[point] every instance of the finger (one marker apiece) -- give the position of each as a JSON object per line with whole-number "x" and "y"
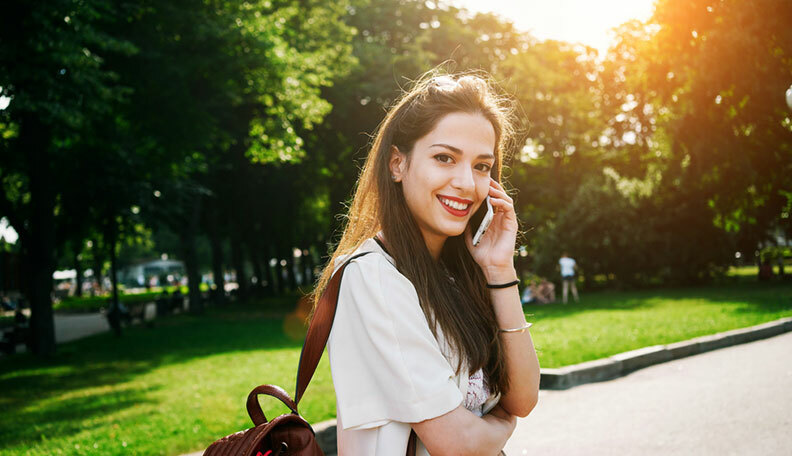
{"x": 496, "y": 184}
{"x": 499, "y": 186}
{"x": 493, "y": 191}
{"x": 502, "y": 205}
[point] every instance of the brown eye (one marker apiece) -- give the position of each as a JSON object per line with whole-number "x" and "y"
{"x": 443, "y": 158}
{"x": 484, "y": 167}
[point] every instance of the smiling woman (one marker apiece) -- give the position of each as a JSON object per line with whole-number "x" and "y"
{"x": 429, "y": 334}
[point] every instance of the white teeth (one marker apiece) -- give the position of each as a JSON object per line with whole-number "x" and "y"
{"x": 454, "y": 204}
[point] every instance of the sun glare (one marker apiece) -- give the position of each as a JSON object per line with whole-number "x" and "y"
{"x": 578, "y": 21}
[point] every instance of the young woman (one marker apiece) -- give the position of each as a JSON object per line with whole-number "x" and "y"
{"x": 429, "y": 333}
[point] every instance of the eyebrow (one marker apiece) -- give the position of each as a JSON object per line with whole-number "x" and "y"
{"x": 459, "y": 151}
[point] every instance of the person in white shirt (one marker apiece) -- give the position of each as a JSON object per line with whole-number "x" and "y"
{"x": 429, "y": 334}
{"x": 568, "y": 269}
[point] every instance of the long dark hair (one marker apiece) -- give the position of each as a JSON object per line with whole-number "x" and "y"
{"x": 463, "y": 308}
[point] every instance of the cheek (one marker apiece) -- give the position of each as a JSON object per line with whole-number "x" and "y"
{"x": 482, "y": 187}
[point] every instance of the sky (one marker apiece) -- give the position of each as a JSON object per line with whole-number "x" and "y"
{"x": 577, "y": 21}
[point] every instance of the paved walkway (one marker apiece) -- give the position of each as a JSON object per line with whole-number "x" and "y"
{"x": 73, "y": 327}
{"x": 732, "y": 401}
{"x": 69, "y": 327}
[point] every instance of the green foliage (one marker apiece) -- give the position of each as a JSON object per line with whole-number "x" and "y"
{"x": 719, "y": 70}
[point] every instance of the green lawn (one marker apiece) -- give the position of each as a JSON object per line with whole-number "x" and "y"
{"x": 96, "y": 303}
{"x": 176, "y": 387}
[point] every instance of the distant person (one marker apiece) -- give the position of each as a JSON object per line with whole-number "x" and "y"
{"x": 528, "y": 294}
{"x": 568, "y": 270}
{"x": 765, "y": 271}
{"x": 163, "y": 303}
{"x": 546, "y": 292}
{"x": 177, "y": 300}
{"x": 8, "y": 304}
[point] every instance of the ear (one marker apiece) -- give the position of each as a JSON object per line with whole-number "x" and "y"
{"x": 397, "y": 164}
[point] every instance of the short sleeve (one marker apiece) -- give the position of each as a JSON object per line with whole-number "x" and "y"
{"x": 385, "y": 362}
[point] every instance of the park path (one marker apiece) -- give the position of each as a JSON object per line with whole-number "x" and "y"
{"x": 70, "y": 327}
{"x": 731, "y": 401}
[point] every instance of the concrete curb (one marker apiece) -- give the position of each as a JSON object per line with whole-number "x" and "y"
{"x": 624, "y": 363}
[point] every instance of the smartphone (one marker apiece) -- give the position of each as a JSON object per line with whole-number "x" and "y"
{"x": 486, "y": 219}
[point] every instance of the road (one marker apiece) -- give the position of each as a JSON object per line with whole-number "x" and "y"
{"x": 732, "y": 401}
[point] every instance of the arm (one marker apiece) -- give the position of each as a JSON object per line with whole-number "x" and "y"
{"x": 522, "y": 364}
{"x": 495, "y": 256}
{"x": 460, "y": 432}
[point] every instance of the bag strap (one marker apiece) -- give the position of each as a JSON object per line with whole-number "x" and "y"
{"x": 319, "y": 330}
{"x": 254, "y": 409}
{"x": 316, "y": 340}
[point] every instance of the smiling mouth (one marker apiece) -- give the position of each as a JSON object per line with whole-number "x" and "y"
{"x": 455, "y": 207}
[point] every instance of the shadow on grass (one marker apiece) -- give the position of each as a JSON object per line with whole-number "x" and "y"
{"x": 62, "y": 417}
{"x": 54, "y": 397}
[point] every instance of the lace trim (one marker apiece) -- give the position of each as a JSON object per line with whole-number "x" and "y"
{"x": 477, "y": 392}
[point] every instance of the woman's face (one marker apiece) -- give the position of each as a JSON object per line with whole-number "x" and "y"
{"x": 447, "y": 176}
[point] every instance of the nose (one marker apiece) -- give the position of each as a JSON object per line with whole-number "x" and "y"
{"x": 463, "y": 181}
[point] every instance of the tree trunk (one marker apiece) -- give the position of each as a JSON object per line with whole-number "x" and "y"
{"x": 270, "y": 272}
{"x": 279, "y": 273}
{"x": 256, "y": 260}
{"x": 97, "y": 267}
{"x": 79, "y": 273}
{"x": 290, "y": 278}
{"x": 191, "y": 258}
{"x": 308, "y": 268}
{"x": 217, "y": 261}
{"x": 238, "y": 261}
{"x": 113, "y": 269}
{"x": 42, "y": 236}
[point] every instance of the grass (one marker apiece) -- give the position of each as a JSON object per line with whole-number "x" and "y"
{"x": 609, "y": 322}
{"x": 178, "y": 386}
{"x": 744, "y": 272}
{"x": 96, "y": 303}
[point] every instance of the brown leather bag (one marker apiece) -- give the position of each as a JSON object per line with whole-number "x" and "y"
{"x": 290, "y": 434}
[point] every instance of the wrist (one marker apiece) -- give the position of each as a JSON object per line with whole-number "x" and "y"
{"x": 499, "y": 274}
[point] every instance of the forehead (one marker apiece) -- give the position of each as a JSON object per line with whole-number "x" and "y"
{"x": 473, "y": 134}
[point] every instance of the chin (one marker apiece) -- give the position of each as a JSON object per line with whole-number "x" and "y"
{"x": 454, "y": 231}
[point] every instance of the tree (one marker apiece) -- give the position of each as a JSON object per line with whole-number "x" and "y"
{"x": 51, "y": 70}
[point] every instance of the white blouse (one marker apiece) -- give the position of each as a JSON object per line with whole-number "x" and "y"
{"x": 388, "y": 369}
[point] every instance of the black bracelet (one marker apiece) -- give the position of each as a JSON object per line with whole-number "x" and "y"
{"x": 503, "y": 285}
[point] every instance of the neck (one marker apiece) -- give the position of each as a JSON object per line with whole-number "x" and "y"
{"x": 434, "y": 243}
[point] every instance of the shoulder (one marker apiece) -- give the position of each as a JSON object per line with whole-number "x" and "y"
{"x": 369, "y": 260}
{"x": 372, "y": 289}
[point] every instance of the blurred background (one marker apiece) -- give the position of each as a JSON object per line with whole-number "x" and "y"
{"x": 197, "y": 155}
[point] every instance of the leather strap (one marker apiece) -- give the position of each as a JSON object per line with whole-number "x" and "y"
{"x": 319, "y": 330}
{"x": 254, "y": 408}
{"x": 316, "y": 340}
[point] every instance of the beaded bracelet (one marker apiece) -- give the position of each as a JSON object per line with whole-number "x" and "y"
{"x": 503, "y": 285}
